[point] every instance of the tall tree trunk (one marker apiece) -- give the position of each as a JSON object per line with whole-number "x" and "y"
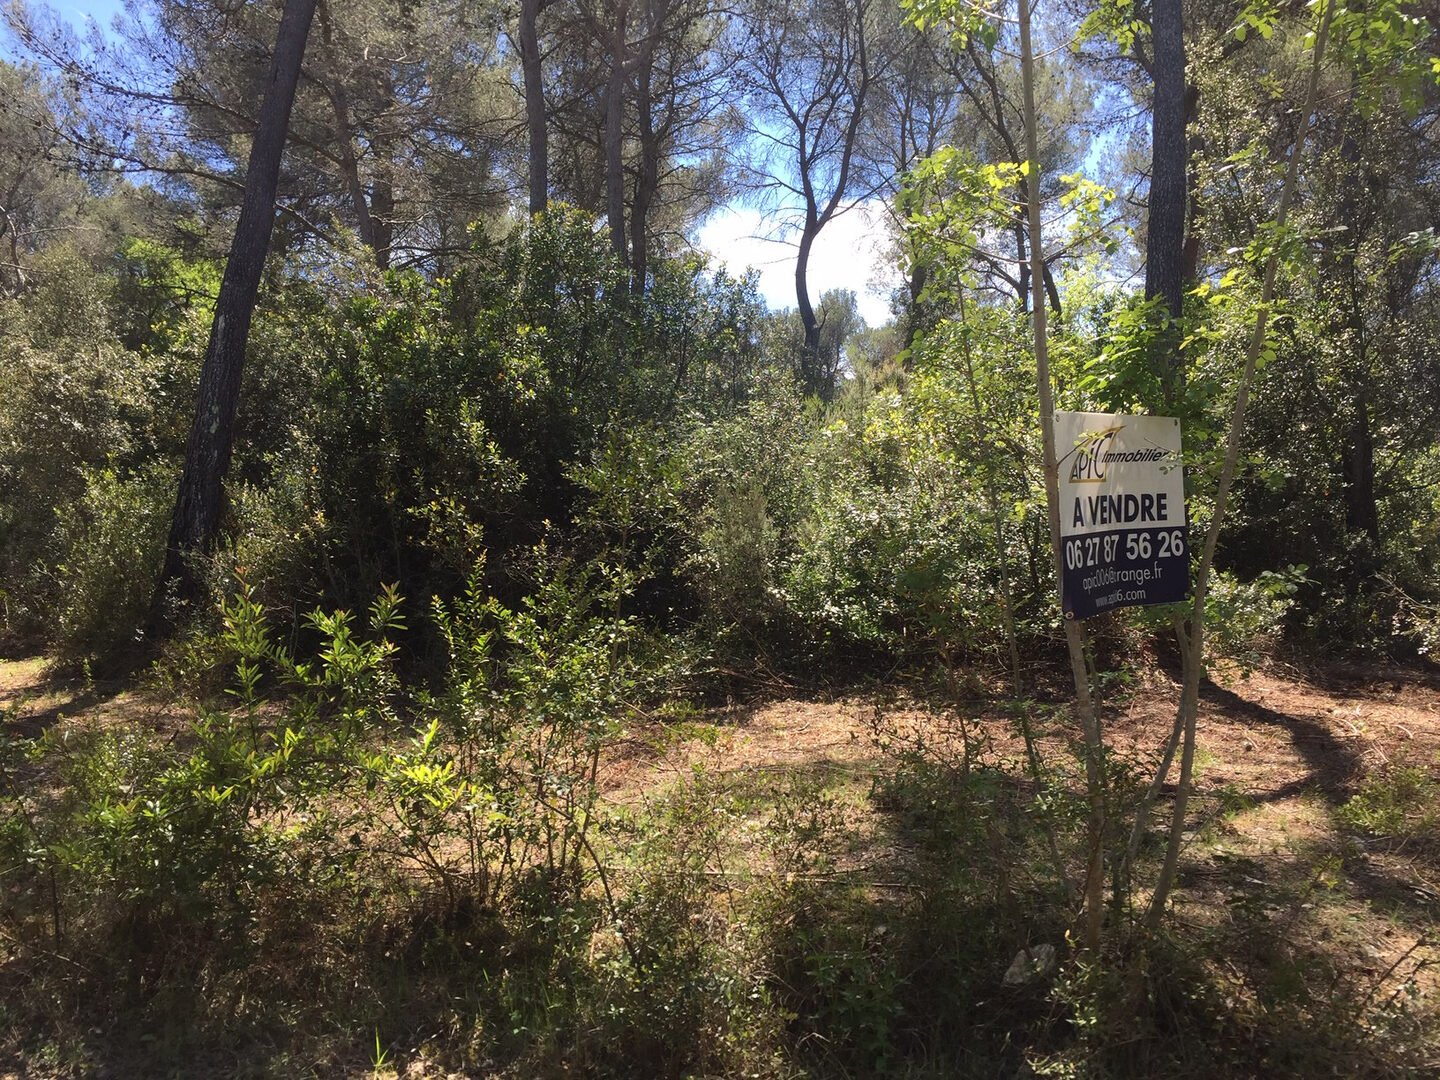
{"x": 1192, "y": 645}
{"x": 382, "y": 190}
{"x": 647, "y": 181}
{"x": 1362, "y": 513}
{"x": 645, "y": 186}
{"x": 196, "y": 519}
{"x": 382, "y": 203}
{"x": 349, "y": 160}
{"x": 1165, "y": 234}
{"x": 1053, "y": 293}
{"x": 1023, "y": 288}
{"x": 855, "y": 77}
{"x": 615, "y": 137}
{"x": 810, "y": 349}
{"x": 1194, "y": 151}
{"x": 350, "y": 169}
{"x": 534, "y": 102}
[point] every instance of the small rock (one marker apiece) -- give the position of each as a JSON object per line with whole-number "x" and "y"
{"x": 1030, "y": 965}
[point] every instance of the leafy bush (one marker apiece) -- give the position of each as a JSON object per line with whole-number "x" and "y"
{"x": 88, "y": 432}
{"x": 679, "y": 977}
{"x": 1247, "y": 617}
{"x": 919, "y": 519}
{"x": 1400, "y": 801}
{"x": 114, "y": 537}
{"x": 391, "y": 428}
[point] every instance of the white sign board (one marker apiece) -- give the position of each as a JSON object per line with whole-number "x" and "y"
{"x": 1123, "y": 535}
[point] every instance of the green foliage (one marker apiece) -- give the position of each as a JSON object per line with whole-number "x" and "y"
{"x": 1385, "y": 46}
{"x": 737, "y": 558}
{"x": 434, "y": 421}
{"x": 1417, "y": 622}
{"x": 482, "y": 793}
{"x": 743, "y": 482}
{"x": 954, "y": 204}
{"x": 918, "y": 500}
{"x": 113, "y": 537}
{"x": 569, "y": 466}
{"x": 1246, "y": 617}
{"x": 965, "y": 20}
{"x": 166, "y": 301}
{"x": 1116, "y": 20}
{"x": 84, "y": 429}
{"x": 391, "y": 428}
{"x": 42, "y": 191}
{"x": 1398, "y": 802}
{"x": 680, "y": 977}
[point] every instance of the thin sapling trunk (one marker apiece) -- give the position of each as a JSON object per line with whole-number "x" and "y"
{"x": 1074, "y": 639}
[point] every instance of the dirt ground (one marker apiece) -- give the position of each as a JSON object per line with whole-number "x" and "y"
{"x": 31, "y": 701}
{"x": 1278, "y": 751}
{"x": 1279, "y": 738}
{"x": 1273, "y": 735}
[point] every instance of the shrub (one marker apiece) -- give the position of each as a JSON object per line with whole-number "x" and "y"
{"x": 86, "y": 430}
{"x": 114, "y": 539}
{"x": 1399, "y": 802}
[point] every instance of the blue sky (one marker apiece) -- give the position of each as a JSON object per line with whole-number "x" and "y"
{"x": 848, "y": 254}
{"x": 77, "y": 13}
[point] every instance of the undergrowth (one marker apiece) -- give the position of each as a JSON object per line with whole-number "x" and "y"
{"x": 332, "y": 871}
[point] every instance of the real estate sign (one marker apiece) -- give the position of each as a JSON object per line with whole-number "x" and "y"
{"x": 1123, "y": 535}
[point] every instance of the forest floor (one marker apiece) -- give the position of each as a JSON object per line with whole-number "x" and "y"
{"x": 1289, "y": 884}
{"x": 1279, "y": 751}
